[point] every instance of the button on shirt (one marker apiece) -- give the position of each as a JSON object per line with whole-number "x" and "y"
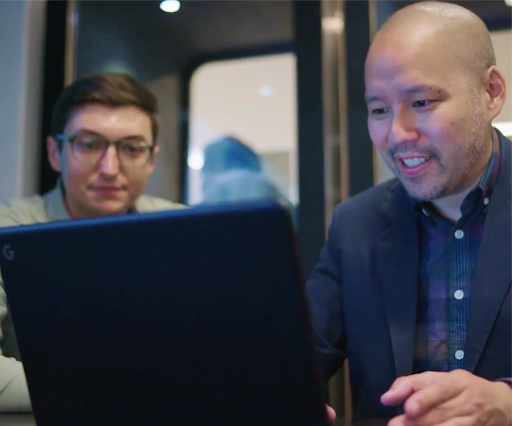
{"x": 448, "y": 255}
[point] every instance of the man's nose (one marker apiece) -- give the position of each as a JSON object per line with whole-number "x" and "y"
{"x": 403, "y": 128}
{"x": 109, "y": 163}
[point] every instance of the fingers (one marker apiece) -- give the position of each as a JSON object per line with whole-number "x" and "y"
{"x": 403, "y": 387}
{"x": 331, "y": 414}
{"x": 450, "y": 399}
{"x": 435, "y": 394}
{"x": 430, "y": 397}
{"x": 397, "y": 394}
{"x": 397, "y": 421}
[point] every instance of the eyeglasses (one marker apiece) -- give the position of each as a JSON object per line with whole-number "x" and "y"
{"x": 90, "y": 149}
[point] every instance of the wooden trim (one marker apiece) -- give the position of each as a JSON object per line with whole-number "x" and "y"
{"x": 70, "y": 49}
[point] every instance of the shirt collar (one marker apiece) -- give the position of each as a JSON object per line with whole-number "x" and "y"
{"x": 490, "y": 175}
{"x": 55, "y": 205}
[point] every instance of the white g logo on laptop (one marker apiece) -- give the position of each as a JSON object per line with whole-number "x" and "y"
{"x": 8, "y": 252}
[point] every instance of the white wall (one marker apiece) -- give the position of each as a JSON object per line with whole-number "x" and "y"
{"x": 502, "y": 43}
{"x": 225, "y": 95}
{"x": 22, "y": 29}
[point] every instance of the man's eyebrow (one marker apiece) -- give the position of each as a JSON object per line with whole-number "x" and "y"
{"x": 419, "y": 88}
{"x": 93, "y": 133}
{"x": 371, "y": 98}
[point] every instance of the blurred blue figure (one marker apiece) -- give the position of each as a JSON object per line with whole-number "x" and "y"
{"x": 232, "y": 172}
{"x": 228, "y": 153}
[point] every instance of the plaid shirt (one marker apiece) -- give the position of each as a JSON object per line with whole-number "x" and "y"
{"x": 448, "y": 255}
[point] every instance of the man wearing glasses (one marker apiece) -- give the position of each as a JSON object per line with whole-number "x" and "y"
{"x": 103, "y": 144}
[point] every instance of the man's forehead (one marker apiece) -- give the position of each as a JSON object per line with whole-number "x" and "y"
{"x": 95, "y": 116}
{"x": 388, "y": 63}
{"x": 408, "y": 40}
{"x": 403, "y": 75}
{"x": 408, "y": 65}
{"x": 385, "y": 70}
{"x": 111, "y": 123}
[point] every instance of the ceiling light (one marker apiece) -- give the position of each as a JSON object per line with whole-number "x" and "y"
{"x": 504, "y": 127}
{"x": 170, "y": 6}
{"x": 266, "y": 90}
{"x": 508, "y": 3}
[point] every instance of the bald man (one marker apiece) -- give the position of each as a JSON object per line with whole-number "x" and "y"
{"x": 414, "y": 282}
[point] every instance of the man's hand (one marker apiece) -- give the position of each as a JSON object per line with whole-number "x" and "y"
{"x": 403, "y": 387}
{"x": 458, "y": 398}
{"x": 331, "y": 414}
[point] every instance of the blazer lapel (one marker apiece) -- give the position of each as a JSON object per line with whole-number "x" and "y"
{"x": 493, "y": 274}
{"x": 398, "y": 260}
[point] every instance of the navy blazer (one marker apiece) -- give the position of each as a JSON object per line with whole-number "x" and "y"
{"x": 363, "y": 294}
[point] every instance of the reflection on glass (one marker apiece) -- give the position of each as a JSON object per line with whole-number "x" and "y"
{"x": 243, "y": 137}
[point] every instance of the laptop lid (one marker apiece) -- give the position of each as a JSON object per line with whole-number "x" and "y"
{"x": 187, "y": 317}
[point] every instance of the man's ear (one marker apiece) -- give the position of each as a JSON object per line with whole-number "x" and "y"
{"x": 496, "y": 88}
{"x": 53, "y": 154}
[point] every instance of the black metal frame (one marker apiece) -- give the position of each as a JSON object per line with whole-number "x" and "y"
{"x": 53, "y": 82}
{"x": 498, "y": 24}
{"x": 311, "y": 212}
{"x": 360, "y": 147}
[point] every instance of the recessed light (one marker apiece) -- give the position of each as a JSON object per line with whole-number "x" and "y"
{"x": 170, "y": 6}
{"x": 195, "y": 161}
{"x": 266, "y": 90}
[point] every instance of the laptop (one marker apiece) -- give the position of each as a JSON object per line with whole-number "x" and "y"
{"x": 188, "y": 317}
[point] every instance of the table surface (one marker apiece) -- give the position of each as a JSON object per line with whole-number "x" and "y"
{"x": 17, "y": 420}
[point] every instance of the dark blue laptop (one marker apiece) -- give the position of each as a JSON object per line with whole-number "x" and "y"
{"x": 190, "y": 317}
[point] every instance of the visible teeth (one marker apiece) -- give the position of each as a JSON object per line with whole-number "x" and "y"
{"x": 414, "y": 162}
